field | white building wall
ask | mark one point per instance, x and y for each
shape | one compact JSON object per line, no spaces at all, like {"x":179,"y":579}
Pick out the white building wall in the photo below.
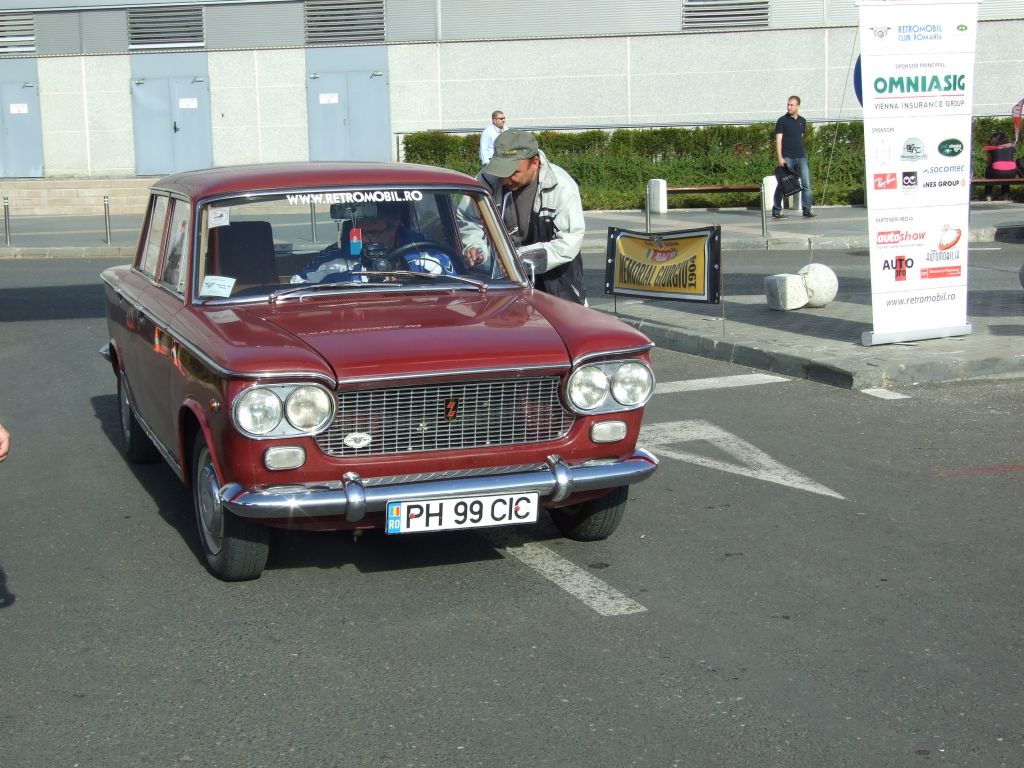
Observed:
{"x":86,"y":111}
{"x":258,"y":106}
{"x":258,"y":98}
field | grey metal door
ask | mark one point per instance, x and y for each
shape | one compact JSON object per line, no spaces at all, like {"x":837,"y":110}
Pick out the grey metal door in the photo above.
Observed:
{"x":348,"y":116}
{"x":172,"y":125}
{"x":22,"y":128}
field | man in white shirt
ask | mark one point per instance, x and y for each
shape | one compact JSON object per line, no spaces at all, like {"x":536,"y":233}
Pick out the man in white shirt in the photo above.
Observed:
{"x":490,"y":133}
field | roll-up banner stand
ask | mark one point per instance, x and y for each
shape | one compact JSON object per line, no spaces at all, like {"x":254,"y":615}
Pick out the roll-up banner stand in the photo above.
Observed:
{"x":917,"y":73}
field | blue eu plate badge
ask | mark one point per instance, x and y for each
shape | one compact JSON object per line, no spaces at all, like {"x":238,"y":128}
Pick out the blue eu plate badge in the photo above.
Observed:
{"x":394,"y":517}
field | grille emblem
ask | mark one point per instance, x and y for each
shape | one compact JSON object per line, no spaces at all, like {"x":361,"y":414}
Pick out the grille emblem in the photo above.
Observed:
{"x":451,"y":409}
{"x":357,"y":440}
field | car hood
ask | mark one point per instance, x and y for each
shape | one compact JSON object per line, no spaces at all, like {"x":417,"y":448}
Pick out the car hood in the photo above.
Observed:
{"x":403,"y":335}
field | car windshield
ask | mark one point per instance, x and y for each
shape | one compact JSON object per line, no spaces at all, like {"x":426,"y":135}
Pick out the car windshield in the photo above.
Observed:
{"x":254,"y":246}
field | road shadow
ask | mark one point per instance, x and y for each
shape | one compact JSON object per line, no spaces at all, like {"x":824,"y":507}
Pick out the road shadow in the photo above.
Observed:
{"x":7,"y":597}
{"x":52,"y":302}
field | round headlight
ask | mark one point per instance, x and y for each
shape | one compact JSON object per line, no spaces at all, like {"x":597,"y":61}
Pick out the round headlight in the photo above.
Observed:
{"x":588,"y":387}
{"x":258,"y":411}
{"x":631,"y":383}
{"x":308,"y":408}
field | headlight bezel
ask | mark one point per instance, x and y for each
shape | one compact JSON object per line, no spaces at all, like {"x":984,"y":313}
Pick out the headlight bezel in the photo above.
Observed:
{"x":284,"y":426}
{"x":609,"y":402}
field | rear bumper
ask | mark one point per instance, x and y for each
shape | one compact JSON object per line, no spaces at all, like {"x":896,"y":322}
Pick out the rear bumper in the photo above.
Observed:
{"x":352,"y":499}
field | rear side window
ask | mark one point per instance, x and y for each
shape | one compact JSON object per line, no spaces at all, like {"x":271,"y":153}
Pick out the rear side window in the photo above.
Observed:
{"x":174,"y":270}
{"x":154,"y":237}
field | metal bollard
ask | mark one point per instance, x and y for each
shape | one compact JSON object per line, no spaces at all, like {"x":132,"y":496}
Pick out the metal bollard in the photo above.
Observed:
{"x":7,"y":220}
{"x":106,"y":216}
{"x":312,"y":222}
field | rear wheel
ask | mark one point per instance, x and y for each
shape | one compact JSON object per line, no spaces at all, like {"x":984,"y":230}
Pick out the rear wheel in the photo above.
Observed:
{"x":592,"y":520}
{"x":235,"y":549}
{"x":137,"y":446}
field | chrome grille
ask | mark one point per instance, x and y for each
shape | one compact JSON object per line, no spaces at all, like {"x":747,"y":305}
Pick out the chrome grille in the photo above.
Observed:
{"x":447,"y":416}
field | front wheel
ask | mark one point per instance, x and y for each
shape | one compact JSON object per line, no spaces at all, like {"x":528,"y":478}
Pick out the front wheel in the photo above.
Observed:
{"x":235,"y":549}
{"x":592,"y":520}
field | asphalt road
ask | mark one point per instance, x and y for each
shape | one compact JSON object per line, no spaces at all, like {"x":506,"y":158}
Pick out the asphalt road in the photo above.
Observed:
{"x":814,"y":577}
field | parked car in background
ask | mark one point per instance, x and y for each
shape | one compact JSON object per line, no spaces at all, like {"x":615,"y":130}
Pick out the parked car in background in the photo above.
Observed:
{"x":331,"y":346}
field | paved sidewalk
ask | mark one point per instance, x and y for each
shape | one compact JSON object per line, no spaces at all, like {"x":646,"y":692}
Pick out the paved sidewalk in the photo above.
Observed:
{"x":825,"y":344}
{"x":820,"y":344}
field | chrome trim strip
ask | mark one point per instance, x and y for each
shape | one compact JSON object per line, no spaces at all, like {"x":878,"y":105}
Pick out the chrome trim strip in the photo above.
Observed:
{"x":355,"y":498}
{"x":454,"y":375}
{"x":612,"y":353}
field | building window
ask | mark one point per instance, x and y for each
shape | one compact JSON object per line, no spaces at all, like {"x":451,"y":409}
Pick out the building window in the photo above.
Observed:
{"x":337,"y":22}
{"x":173,"y":26}
{"x":17,"y":32}
{"x":713,"y":15}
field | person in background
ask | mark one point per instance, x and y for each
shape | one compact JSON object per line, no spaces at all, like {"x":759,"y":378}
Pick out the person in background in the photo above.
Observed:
{"x":540,"y":204}
{"x":789,"y":152}
{"x":490,"y":133}
{"x":5,"y":442}
{"x":1001,"y":163}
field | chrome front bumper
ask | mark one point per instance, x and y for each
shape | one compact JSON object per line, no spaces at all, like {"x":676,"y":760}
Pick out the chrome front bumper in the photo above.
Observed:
{"x":352,"y":499}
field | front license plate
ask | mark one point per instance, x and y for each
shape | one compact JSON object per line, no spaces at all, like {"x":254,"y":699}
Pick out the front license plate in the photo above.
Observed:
{"x":454,"y":514}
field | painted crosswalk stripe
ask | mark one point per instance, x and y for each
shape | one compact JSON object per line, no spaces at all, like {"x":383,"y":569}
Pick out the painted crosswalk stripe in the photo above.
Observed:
{"x":717,"y":382}
{"x":587,"y":588}
{"x":885,"y":394}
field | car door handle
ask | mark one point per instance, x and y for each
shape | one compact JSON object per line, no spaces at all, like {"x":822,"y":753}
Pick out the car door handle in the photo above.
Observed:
{"x":176,"y":128}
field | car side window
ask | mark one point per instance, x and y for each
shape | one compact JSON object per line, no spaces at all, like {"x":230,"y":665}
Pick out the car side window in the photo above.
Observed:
{"x":154,"y":237}
{"x":174,"y":270}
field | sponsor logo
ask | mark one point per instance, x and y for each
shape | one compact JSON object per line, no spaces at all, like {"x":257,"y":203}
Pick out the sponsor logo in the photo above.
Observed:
{"x":909,"y":84}
{"x":885,"y":181}
{"x":951,"y":147}
{"x":909,"y":179}
{"x":898,"y":266}
{"x":961,"y":27}
{"x":950,"y":236}
{"x":913,"y":149}
{"x":665,"y":254}
{"x":941,"y":183}
{"x":899,"y":237}
{"x":945,"y":169}
{"x":919,"y":32}
{"x":880,"y":32}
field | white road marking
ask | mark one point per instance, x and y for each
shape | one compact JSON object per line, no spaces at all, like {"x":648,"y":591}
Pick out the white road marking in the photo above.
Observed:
{"x":885,"y":394}
{"x":717,"y":382}
{"x":587,"y":588}
{"x":753,"y":462}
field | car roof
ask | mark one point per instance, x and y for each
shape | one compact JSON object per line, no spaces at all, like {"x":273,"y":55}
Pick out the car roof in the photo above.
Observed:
{"x":226,"y":180}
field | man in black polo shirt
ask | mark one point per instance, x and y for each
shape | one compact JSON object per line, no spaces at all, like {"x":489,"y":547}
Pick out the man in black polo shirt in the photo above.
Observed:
{"x":789,"y":151}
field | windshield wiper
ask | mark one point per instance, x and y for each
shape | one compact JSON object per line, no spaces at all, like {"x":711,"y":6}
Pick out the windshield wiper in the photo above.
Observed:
{"x":479,"y":284}
{"x":292,"y":290}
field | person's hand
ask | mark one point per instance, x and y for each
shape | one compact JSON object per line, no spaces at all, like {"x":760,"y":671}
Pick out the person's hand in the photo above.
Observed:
{"x":473,"y":255}
{"x":5,"y":442}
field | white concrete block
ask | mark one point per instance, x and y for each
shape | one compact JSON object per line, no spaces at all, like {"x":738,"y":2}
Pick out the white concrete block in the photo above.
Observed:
{"x":785,"y":292}
{"x":821,"y":284}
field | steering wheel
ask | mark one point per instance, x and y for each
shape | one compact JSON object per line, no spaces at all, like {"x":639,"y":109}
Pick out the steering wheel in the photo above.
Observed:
{"x":398,"y":254}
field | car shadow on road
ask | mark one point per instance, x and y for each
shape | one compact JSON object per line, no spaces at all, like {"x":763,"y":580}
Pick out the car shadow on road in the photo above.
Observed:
{"x":7,"y":597}
{"x":170,"y":496}
{"x":51,"y":302}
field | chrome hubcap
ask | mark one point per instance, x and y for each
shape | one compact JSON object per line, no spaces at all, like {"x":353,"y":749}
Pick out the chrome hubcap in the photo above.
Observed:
{"x":208,"y":506}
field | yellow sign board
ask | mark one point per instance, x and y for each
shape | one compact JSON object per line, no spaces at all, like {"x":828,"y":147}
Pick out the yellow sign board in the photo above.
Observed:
{"x":684,"y":265}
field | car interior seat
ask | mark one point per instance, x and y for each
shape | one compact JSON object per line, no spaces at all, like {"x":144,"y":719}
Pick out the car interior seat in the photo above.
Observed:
{"x":244,"y":250}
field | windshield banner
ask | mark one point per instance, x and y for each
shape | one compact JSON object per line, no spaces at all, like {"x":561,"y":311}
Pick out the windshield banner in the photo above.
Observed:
{"x":684,"y":265}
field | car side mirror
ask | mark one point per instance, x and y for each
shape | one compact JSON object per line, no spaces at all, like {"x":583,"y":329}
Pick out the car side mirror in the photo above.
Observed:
{"x":535,"y":259}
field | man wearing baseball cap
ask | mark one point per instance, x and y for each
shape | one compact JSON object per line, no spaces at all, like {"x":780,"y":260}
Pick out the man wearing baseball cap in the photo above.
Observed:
{"x":540,"y":205}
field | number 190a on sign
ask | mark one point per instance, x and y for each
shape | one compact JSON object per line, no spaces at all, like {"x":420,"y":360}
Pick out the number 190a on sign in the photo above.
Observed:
{"x":454,"y":514}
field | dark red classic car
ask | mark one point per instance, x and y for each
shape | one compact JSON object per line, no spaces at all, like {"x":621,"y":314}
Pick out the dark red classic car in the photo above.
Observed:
{"x":333,"y":346}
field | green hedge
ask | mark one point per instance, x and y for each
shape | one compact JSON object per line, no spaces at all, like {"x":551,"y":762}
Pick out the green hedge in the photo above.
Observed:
{"x":613,"y":167}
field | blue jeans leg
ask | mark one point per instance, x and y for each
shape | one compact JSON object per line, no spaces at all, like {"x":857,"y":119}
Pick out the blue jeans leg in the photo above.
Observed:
{"x":803,"y":168}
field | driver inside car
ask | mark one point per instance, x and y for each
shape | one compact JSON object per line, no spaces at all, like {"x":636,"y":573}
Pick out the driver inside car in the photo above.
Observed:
{"x":369,"y":248}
